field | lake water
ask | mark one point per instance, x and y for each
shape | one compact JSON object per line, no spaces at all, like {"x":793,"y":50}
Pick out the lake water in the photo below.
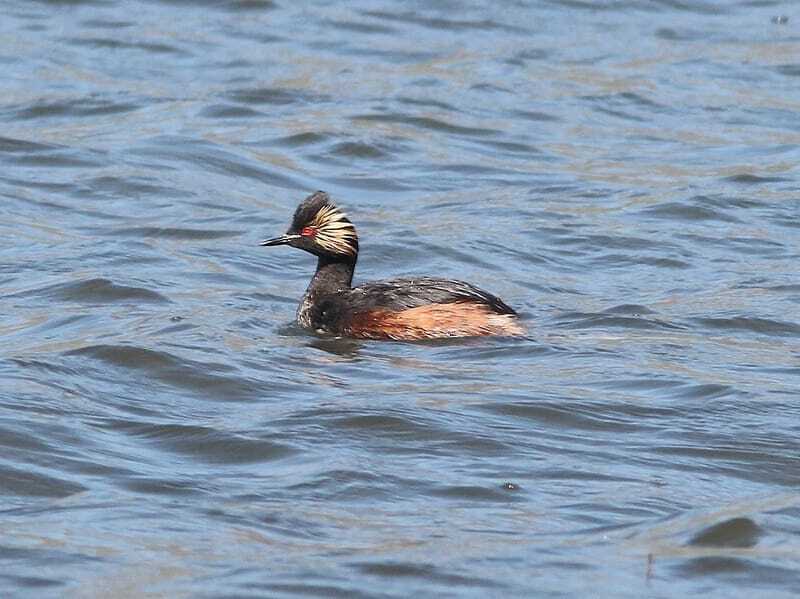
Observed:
{"x":623,"y":172}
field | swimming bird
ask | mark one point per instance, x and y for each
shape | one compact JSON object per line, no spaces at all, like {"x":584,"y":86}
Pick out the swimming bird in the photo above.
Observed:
{"x":403,"y":309}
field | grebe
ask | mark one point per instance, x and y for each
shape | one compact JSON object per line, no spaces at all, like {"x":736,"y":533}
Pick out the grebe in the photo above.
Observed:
{"x":403,"y":309}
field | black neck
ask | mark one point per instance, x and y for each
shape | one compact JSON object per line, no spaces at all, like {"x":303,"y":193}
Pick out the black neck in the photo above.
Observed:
{"x":332,"y":275}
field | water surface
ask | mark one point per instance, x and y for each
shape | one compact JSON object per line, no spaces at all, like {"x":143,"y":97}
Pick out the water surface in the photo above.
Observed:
{"x":624,"y":173}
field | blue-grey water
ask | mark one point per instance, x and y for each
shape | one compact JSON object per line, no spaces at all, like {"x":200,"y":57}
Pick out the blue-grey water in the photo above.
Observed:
{"x":623,"y":172}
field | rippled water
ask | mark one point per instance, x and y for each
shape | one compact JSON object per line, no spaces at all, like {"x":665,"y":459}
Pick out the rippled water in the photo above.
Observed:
{"x":623,"y":172}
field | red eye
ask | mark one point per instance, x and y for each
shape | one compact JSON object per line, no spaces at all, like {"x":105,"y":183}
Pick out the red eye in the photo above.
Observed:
{"x":308,"y":232}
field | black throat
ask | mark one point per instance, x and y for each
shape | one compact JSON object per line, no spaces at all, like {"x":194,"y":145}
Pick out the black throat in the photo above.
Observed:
{"x":333,"y":274}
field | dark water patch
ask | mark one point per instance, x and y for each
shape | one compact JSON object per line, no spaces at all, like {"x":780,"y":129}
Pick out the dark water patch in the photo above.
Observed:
{"x":389,"y":56}
{"x":126,"y":187}
{"x":680,"y":34}
{"x":406,"y":434}
{"x":107,"y":23}
{"x":428,"y":123}
{"x":738,"y":571}
{"x":103,"y":3}
{"x":398,"y":570}
{"x":732,"y":460}
{"x":368,"y":183}
{"x":206,"y":157}
{"x":360,"y":27}
{"x":30,"y":582}
{"x":204,"y":443}
{"x":426,"y":102}
{"x":749,"y":324}
{"x":207,"y":379}
{"x":27,"y":483}
{"x":736,"y":532}
{"x":86,"y":107}
{"x":44,"y":555}
{"x":275,"y":96}
{"x":749,"y":179}
{"x":691,"y":211}
{"x":358,"y":150}
{"x":357,"y":486}
{"x":623,"y":260}
{"x":726,"y":202}
{"x":62,"y":159}
{"x":284,"y":524}
{"x":781,"y":288}
{"x":299,"y":140}
{"x":525,"y":56}
{"x":172,"y":233}
{"x":443,"y":24}
{"x":97,"y":291}
{"x":474,"y":493}
{"x":790,"y":70}
{"x":15,"y":441}
{"x":747,"y":246}
{"x":623,"y":242}
{"x":629,"y":310}
{"x":534,"y":115}
{"x":117,"y":44}
{"x":14,"y":146}
{"x":518,"y":254}
{"x":227,"y":111}
{"x":226,"y":5}
{"x":577,"y":474}
{"x":247,"y":5}
{"x":569,"y":415}
{"x":395,"y":425}
{"x":520,"y":350}
{"x":704,"y":391}
{"x":308,"y":589}
{"x":621,"y":105}
{"x":512,"y":147}
{"x":580,"y":320}
{"x":444,"y":251}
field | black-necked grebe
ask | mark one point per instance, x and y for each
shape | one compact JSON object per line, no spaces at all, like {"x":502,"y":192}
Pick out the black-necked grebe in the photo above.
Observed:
{"x":418,"y":308}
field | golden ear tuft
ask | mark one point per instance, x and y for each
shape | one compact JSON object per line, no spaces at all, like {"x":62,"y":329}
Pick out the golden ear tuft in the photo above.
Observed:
{"x":335,"y":233}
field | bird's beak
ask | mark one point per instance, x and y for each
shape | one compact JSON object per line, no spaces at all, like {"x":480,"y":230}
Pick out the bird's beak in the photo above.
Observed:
{"x":282,"y":240}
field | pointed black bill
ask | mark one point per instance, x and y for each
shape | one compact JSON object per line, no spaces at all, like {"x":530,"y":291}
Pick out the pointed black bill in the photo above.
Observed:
{"x":282,"y":240}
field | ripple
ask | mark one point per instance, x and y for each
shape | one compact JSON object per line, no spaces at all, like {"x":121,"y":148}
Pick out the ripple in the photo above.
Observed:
{"x":207,"y":157}
{"x":750,"y":179}
{"x":428,"y":123}
{"x":395,"y":570}
{"x":204,"y":443}
{"x":736,"y":532}
{"x":358,"y":150}
{"x":31,"y":484}
{"x":297,"y":140}
{"x":446,"y":24}
{"x":159,"y":486}
{"x":172,"y":233}
{"x":275,"y":96}
{"x":187,"y":374}
{"x":579,"y":320}
{"x":227,"y":111}
{"x":97,"y":291}
{"x":691,"y":211}
{"x":790,"y":70}
{"x":74,"y":108}
{"x":762,"y":326}
{"x":568,"y":415}
{"x":117,"y":44}
{"x":475,"y":493}
{"x":11,"y":145}
{"x":360,"y":27}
